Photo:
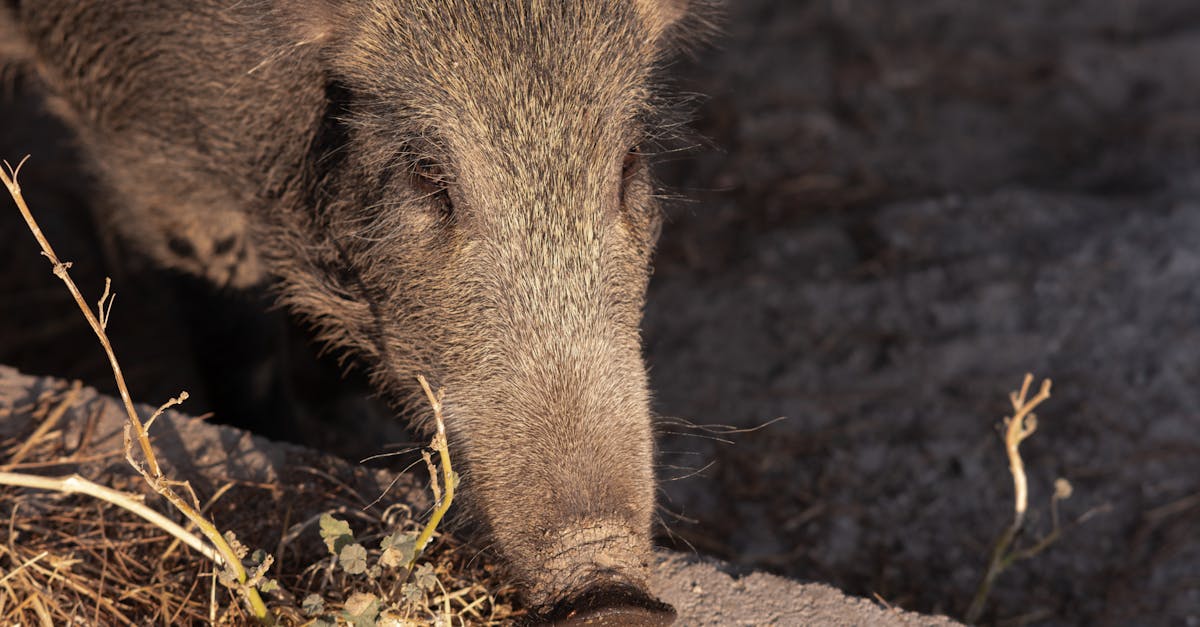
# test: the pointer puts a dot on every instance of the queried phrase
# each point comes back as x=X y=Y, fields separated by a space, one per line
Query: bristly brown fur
x=450 y=187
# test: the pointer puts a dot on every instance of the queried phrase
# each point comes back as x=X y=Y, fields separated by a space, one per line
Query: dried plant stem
x=1020 y=426
x=75 y=484
x=151 y=471
x=440 y=445
x=60 y=270
x=26 y=564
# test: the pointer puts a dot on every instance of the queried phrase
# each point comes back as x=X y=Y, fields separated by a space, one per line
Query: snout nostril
x=181 y=247
x=223 y=246
x=611 y=607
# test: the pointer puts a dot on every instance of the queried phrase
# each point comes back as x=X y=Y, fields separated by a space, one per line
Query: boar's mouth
x=610 y=606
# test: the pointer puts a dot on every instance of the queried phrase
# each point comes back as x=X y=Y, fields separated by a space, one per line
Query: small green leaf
x=268 y=585
x=399 y=549
x=424 y=577
x=353 y=558
x=361 y=609
x=412 y=593
x=312 y=605
x=336 y=533
x=393 y=539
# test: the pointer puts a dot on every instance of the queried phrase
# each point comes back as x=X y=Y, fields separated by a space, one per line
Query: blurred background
x=897 y=210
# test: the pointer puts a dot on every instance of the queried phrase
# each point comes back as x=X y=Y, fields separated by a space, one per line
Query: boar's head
x=484 y=216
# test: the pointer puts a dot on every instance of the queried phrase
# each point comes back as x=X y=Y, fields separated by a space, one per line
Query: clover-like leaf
x=361 y=609
x=424 y=577
x=312 y=605
x=412 y=593
x=353 y=558
x=399 y=550
x=390 y=540
x=336 y=533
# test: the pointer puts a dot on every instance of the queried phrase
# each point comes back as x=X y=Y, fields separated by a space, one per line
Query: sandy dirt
x=900 y=209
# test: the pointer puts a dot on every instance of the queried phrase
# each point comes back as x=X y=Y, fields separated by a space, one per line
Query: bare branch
x=75 y=484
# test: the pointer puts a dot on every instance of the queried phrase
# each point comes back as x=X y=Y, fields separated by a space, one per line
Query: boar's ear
x=679 y=23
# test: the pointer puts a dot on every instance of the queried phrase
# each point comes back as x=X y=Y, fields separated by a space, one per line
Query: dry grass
x=72 y=559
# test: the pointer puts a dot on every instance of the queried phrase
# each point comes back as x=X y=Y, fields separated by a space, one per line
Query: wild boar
x=448 y=187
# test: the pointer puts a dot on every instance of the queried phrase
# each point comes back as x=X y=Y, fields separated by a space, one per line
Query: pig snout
x=558 y=452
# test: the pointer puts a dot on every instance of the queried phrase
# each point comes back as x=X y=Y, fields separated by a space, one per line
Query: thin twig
x=439 y=444
x=60 y=271
x=27 y=563
x=433 y=480
x=1020 y=426
x=103 y=312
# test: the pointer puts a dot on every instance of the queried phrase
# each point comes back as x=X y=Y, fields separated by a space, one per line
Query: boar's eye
x=430 y=180
x=631 y=166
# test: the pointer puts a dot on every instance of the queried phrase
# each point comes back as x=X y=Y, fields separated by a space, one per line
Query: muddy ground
x=902 y=208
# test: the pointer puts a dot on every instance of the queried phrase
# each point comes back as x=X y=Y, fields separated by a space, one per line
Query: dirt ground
x=271 y=494
x=902 y=208
x=917 y=203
